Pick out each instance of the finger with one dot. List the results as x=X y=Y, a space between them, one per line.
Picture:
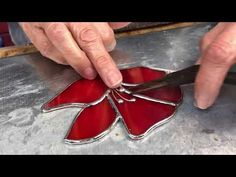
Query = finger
x=42 y=43
x=117 y=25
x=211 y=35
x=107 y=35
x=62 y=39
x=216 y=61
x=90 y=42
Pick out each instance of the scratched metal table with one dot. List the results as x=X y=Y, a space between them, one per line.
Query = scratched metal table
x=29 y=81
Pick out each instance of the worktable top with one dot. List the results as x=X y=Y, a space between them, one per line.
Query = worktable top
x=29 y=81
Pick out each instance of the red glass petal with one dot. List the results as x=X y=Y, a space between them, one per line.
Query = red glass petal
x=92 y=122
x=142 y=115
x=139 y=117
x=81 y=91
x=140 y=75
x=172 y=94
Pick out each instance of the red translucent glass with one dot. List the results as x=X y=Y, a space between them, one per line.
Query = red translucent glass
x=139 y=75
x=172 y=94
x=139 y=116
x=81 y=91
x=143 y=114
x=92 y=121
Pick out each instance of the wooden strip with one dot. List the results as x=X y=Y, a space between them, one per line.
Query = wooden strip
x=156 y=29
x=6 y=52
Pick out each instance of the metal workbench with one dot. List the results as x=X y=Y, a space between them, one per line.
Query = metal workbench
x=29 y=81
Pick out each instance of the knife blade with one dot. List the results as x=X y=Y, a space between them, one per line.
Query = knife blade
x=178 y=78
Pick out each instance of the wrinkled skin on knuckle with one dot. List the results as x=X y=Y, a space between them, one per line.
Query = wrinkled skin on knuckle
x=56 y=31
x=88 y=37
x=220 y=53
x=101 y=62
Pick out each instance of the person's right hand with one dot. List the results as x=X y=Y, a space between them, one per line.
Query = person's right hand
x=218 y=55
x=84 y=46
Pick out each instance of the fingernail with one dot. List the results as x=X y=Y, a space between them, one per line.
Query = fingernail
x=111 y=46
x=203 y=100
x=114 y=79
x=90 y=73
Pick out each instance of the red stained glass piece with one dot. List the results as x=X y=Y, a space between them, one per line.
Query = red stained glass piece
x=140 y=75
x=81 y=91
x=141 y=115
x=172 y=94
x=92 y=121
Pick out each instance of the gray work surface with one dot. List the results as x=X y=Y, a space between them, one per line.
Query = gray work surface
x=29 y=81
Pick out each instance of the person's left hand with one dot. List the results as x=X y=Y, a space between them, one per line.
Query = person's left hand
x=82 y=45
x=218 y=49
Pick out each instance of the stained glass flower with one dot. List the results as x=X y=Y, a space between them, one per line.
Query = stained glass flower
x=102 y=107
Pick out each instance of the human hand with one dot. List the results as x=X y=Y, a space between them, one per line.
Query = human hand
x=218 y=49
x=84 y=46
